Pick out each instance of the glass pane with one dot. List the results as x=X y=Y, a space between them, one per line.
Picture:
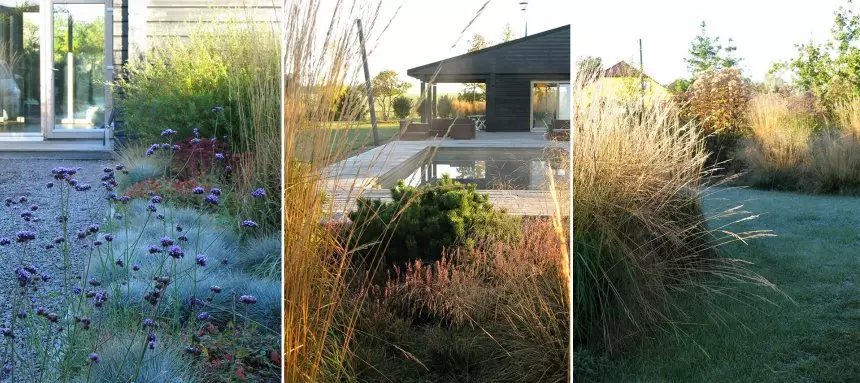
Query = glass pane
x=20 y=110
x=79 y=70
x=544 y=105
x=564 y=102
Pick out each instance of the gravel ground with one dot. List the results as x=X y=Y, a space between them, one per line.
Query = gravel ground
x=28 y=178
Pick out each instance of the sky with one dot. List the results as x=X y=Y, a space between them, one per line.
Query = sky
x=424 y=31
x=764 y=31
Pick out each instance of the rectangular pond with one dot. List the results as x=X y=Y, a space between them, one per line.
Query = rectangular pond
x=488 y=169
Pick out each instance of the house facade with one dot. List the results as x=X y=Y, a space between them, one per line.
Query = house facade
x=58 y=57
x=527 y=81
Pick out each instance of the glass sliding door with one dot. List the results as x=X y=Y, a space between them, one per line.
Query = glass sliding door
x=550 y=105
x=20 y=93
x=79 y=93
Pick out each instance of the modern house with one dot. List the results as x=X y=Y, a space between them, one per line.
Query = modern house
x=58 y=57
x=623 y=81
x=527 y=81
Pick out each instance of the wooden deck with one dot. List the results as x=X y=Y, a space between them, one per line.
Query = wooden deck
x=361 y=175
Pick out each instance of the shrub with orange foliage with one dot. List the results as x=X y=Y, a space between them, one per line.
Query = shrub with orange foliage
x=500 y=302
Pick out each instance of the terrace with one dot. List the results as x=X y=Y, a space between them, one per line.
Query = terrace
x=370 y=173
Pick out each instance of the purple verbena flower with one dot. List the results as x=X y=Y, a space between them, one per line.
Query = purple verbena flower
x=94 y=358
x=166 y=241
x=216 y=191
x=219 y=156
x=25 y=236
x=213 y=199
x=154 y=249
x=248 y=223
x=100 y=298
x=201 y=259
x=176 y=252
x=198 y=190
x=248 y=299
x=259 y=193
x=168 y=132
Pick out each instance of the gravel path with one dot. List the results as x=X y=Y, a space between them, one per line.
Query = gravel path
x=28 y=178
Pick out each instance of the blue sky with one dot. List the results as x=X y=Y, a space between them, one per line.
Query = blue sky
x=764 y=31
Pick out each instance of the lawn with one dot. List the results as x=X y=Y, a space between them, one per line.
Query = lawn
x=358 y=136
x=814 y=260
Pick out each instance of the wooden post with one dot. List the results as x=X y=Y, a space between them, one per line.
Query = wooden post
x=421 y=110
x=371 y=108
x=427 y=100
x=433 y=105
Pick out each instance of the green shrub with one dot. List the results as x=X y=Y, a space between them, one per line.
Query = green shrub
x=175 y=86
x=402 y=107
x=420 y=222
x=178 y=84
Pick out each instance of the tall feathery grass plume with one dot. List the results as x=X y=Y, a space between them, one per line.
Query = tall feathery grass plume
x=321 y=57
x=640 y=235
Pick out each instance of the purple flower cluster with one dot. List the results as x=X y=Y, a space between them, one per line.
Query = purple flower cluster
x=25 y=236
x=213 y=199
x=248 y=299
x=168 y=133
x=259 y=193
x=176 y=252
x=248 y=223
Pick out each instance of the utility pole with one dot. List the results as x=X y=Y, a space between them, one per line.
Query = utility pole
x=641 y=69
x=368 y=85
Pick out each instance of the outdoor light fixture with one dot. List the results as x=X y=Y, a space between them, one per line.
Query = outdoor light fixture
x=523 y=5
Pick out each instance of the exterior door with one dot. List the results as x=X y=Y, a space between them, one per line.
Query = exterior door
x=78 y=68
x=550 y=102
x=20 y=91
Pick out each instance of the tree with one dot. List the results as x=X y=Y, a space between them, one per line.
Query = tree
x=588 y=69
x=477 y=42
x=402 y=106
x=475 y=91
x=387 y=86
x=706 y=53
x=829 y=70
x=507 y=33
x=351 y=103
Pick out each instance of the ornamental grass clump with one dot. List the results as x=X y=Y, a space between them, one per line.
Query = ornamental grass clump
x=640 y=236
x=141 y=270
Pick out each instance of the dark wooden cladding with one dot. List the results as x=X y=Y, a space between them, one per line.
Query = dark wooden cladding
x=543 y=53
x=138 y=24
x=508 y=69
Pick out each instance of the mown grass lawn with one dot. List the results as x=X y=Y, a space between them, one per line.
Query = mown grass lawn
x=357 y=137
x=815 y=260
